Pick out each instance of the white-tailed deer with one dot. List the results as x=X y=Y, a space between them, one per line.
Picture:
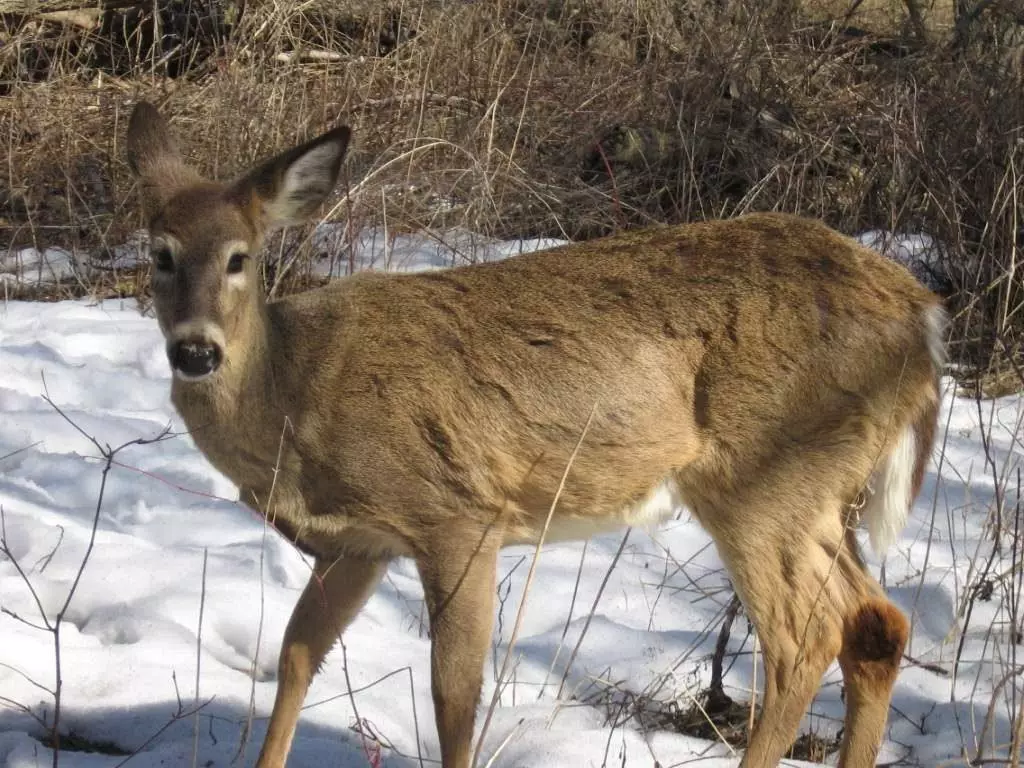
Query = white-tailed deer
x=773 y=376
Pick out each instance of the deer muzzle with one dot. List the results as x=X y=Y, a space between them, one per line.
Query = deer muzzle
x=193 y=359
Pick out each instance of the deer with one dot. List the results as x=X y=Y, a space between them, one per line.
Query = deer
x=771 y=376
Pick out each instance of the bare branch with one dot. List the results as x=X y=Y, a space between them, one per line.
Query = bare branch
x=6 y=551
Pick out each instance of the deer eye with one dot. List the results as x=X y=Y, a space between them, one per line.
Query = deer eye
x=237 y=263
x=162 y=259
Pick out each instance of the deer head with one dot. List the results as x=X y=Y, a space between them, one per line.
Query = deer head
x=205 y=237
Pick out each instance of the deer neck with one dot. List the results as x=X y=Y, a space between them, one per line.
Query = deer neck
x=239 y=406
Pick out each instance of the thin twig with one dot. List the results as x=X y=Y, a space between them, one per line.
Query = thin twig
x=593 y=609
x=199 y=657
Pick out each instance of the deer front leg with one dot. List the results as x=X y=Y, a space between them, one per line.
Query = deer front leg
x=335 y=593
x=458 y=584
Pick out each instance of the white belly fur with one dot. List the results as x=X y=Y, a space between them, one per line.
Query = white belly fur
x=659 y=505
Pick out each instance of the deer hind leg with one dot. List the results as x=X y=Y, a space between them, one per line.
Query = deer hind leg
x=458 y=578
x=333 y=596
x=875 y=632
x=798 y=580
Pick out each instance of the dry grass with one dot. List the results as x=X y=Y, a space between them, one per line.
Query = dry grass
x=567 y=118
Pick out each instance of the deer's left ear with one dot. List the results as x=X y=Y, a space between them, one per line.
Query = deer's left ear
x=154 y=158
x=290 y=187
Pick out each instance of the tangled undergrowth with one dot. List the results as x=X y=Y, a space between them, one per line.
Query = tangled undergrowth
x=565 y=118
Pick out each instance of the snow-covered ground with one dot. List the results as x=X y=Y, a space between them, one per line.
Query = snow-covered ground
x=340 y=254
x=377 y=248
x=145 y=624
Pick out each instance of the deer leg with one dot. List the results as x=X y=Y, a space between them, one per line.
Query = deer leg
x=797 y=649
x=793 y=591
x=335 y=593
x=874 y=636
x=458 y=584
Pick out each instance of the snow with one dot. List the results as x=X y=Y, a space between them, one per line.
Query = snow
x=52 y=265
x=377 y=248
x=919 y=253
x=339 y=252
x=133 y=647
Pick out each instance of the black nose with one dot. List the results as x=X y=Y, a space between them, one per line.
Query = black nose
x=195 y=358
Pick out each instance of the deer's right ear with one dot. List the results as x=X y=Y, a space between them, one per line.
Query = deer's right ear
x=154 y=157
x=290 y=187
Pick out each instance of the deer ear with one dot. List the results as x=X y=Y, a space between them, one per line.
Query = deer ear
x=290 y=187
x=154 y=157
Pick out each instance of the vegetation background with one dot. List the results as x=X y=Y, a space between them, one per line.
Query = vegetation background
x=564 y=118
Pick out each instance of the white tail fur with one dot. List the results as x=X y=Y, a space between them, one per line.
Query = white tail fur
x=892 y=488
x=891 y=492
